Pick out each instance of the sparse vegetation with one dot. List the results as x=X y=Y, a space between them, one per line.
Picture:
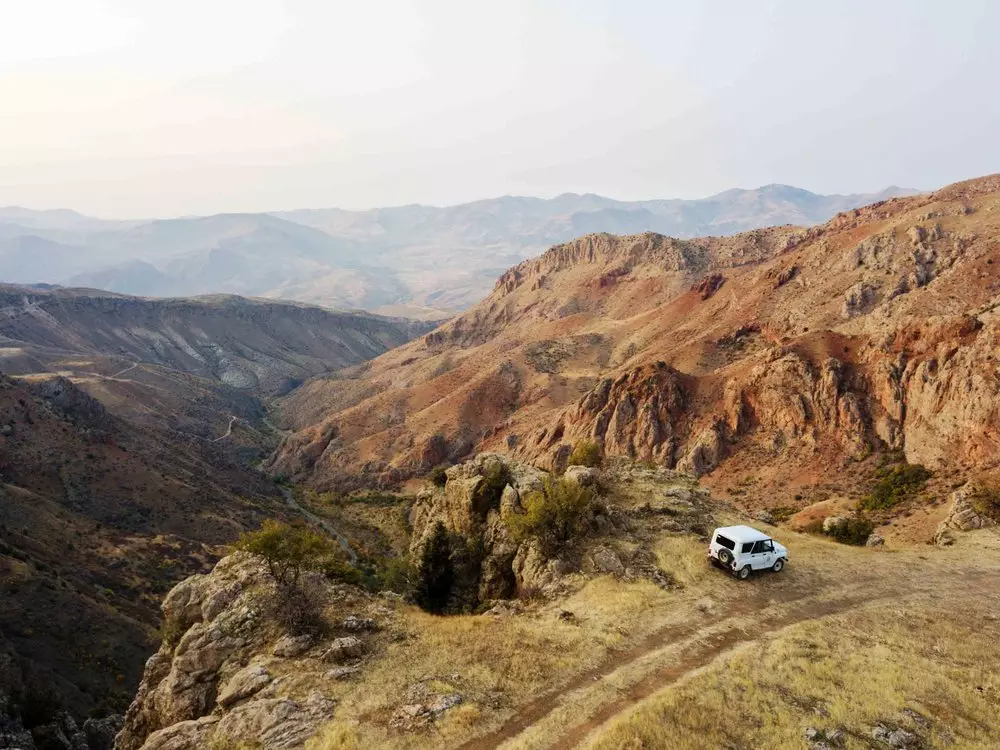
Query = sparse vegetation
x=586 y=453
x=288 y=550
x=555 y=515
x=986 y=500
x=782 y=513
x=924 y=669
x=37 y=704
x=438 y=476
x=894 y=484
x=489 y=492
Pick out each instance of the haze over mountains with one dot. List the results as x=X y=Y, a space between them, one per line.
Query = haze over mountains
x=418 y=260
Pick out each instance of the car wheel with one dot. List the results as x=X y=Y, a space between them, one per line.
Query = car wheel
x=778 y=565
x=725 y=557
x=743 y=573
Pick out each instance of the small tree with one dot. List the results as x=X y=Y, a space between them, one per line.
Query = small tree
x=586 y=453
x=436 y=574
x=555 y=516
x=288 y=550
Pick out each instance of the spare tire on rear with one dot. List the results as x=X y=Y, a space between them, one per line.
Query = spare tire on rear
x=725 y=557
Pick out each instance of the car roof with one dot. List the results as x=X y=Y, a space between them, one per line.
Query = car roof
x=742 y=533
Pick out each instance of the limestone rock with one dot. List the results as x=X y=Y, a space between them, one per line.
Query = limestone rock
x=606 y=561
x=184 y=735
x=531 y=567
x=243 y=684
x=356 y=623
x=340 y=673
x=583 y=476
x=277 y=723
x=290 y=646
x=962 y=517
x=704 y=455
x=764 y=516
x=875 y=540
x=345 y=648
x=101 y=733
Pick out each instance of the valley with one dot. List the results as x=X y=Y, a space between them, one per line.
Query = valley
x=129 y=431
x=568 y=443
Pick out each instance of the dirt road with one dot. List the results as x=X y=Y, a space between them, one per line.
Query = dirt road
x=572 y=715
x=229 y=429
x=322 y=523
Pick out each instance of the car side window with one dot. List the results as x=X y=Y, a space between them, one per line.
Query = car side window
x=747 y=547
x=769 y=546
x=758 y=548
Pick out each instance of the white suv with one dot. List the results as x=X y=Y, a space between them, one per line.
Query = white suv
x=742 y=549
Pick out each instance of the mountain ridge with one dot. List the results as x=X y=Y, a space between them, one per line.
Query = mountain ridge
x=711 y=354
x=400 y=259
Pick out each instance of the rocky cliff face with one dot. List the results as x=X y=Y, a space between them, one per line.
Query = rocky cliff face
x=784 y=351
x=226 y=673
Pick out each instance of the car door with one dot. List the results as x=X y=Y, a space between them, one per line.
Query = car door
x=762 y=556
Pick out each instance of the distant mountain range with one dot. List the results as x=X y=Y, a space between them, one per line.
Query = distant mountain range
x=420 y=261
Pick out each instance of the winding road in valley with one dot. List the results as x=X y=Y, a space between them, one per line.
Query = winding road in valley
x=229 y=430
x=321 y=522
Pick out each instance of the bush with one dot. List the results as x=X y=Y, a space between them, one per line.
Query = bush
x=986 y=501
x=288 y=550
x=394 y=574
x=436 y=574
x=586 y=453
x=894 y=484
x=438 y=476
x=554 y=516
x=854 y=530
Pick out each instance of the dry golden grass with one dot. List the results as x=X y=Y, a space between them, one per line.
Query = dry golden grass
x=861 y=663
x=496 y=663
x=848 y=672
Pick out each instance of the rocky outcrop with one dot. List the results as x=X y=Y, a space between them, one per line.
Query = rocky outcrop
x=636 y=414
x=227 y=671
x=963 y=516
x=472 y=505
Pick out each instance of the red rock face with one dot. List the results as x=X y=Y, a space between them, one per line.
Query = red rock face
x=780 y=351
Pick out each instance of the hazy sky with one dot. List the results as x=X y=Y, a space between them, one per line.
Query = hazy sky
x=148 y=108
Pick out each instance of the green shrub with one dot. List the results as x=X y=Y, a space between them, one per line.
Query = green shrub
x=288 y=550
x=394 y=574
x=586 y=453
x=782 y=513
x=854 y=530
x=438 y=476
x=555 y=515
x=894 y=484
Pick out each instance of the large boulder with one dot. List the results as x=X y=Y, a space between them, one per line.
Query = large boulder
x=963 y=515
